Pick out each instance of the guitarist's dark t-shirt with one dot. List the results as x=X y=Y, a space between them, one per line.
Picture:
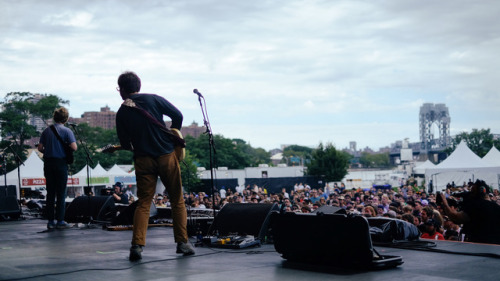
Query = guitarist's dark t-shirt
x=137 y=131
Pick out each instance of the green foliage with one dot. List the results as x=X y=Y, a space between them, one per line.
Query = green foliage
x=17 y=109
x=479 y=141
x=190 y=179
x=379 y=160
x=329 y=163
x=45 y=107
x=297 y=155
x=231 y=153
x=95 y=138
x=257 y=155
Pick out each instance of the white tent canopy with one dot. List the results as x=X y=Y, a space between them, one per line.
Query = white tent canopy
x=33 y=168
x=99 y=171
x=83 y=172
x=117 y=171
x=31 y=173
x=119 y=175
x=461 y=166
x=420 y=169
x=460 y=158
x=492 y=157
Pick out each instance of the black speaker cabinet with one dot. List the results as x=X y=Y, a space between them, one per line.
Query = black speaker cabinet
x=8 y=190
x=322 y=239
x=243 y=219
x=199 y=225
x=126 y=217
x=9 y=206
x=85 y=209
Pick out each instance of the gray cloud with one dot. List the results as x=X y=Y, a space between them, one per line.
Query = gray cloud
x=273 y=73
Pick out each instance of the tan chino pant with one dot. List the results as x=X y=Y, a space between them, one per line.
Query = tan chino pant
x=147 y=170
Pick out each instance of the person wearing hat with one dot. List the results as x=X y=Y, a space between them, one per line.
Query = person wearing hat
x=480 y=217
x=430 y=230
x=118 y=195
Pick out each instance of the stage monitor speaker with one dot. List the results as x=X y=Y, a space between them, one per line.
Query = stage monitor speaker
x=126 y=217
x=9 y=206
x=322 y=238
x=8 y=190
x=336 y=240
x=86 y=209
x=326 y=209
x=239 y=218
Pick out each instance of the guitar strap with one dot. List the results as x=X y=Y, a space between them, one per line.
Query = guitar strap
x=177 y=140
x=53 y=128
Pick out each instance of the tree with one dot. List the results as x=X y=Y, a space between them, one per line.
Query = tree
x=95 y=138
x=328 y=163
x=17 y=110
x=479 y=141
x=257 y=155
x=189 y=174
x=296 y=154
x=231 y=153
x=378 y=160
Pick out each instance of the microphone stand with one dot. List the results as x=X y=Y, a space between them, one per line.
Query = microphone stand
x=19 y=161
x=211 y=145
x=88 y=160
x=4 y=168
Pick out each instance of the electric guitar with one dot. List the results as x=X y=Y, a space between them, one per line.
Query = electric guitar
x=179 y=151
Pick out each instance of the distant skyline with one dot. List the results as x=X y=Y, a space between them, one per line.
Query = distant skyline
x=272 y=73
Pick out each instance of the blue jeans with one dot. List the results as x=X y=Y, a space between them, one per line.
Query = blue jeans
x=56 y=176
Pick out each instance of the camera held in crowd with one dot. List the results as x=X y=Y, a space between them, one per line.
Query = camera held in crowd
x=439 y=200
x=452 y=202
x=107 y=191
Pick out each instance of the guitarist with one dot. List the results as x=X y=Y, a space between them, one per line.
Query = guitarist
x=153 y=157
x=55 y=167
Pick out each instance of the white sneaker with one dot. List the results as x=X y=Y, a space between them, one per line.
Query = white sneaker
x=185 y=248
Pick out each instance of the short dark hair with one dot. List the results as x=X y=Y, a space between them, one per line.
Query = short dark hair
x=408 y=217
x=483 y=187
x=129 y=82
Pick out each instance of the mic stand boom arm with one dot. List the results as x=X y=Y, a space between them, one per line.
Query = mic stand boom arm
x=211 y=145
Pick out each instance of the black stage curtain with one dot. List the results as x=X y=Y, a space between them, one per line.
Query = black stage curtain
x=275 y=185
x=219 y=183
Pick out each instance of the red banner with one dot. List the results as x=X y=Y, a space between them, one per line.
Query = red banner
x=41 y=181
x=73 y=181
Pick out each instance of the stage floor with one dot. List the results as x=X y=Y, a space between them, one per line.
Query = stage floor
x=29 y=252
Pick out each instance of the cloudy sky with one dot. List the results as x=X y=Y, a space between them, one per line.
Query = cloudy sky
x=272 y=72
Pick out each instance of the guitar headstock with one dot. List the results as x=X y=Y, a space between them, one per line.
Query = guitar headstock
x=109 y=148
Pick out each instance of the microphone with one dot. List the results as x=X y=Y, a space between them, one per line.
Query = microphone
x=72 y=124
x=198 y=93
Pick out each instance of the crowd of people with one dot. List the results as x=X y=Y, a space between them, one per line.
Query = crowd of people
x=410 y=203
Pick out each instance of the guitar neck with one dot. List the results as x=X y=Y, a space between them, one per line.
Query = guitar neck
x=110 y=148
